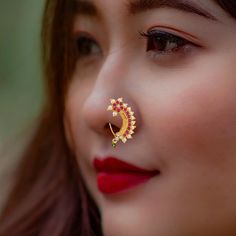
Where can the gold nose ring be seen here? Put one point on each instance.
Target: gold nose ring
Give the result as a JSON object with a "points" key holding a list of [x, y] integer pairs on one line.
{"points": [[128, 120]]}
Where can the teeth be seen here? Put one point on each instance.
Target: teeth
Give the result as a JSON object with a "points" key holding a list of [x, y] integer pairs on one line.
{"points": [[128, 109], [125, 105], [129, 136], [132, 118], [114, 113], [131, 132], [133, 122], [120, 99], [131, 113]]}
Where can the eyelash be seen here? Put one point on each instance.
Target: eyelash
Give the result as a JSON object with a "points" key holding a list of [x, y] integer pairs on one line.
{"points": [[163, 43]]}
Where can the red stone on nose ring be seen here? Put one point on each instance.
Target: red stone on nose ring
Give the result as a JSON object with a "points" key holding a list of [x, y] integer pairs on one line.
{"points": [[128, 120]]}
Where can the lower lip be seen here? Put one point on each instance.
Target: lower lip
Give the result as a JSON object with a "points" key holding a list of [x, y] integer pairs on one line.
{"points": [[109, 183]]}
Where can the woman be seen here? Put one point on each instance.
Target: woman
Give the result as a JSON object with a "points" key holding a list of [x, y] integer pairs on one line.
{"points": [[173, 62]]}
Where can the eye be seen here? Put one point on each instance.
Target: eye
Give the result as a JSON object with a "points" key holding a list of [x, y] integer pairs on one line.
{"points": [[87, 47], [163, 43]]}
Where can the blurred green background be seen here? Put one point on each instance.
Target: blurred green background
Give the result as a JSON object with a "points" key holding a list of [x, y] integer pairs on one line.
{"points": [[21, 89], [20, 70]]}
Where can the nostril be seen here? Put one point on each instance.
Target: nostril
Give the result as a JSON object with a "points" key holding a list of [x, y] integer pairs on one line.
{"points": [[115, 128]]}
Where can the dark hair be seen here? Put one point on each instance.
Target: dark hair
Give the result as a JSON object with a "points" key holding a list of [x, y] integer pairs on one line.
{"points": [[49, 196]]}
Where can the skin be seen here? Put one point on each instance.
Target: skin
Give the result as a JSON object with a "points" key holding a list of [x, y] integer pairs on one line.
{"points": [[185, 108]]}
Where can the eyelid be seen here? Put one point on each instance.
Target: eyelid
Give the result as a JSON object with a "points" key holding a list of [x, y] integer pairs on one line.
{"points": [[77, 34], [154, 32], [177, 32]]}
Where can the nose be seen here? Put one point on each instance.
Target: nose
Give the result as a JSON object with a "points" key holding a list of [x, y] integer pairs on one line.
{"points": [[111, 83], [96, 115]]}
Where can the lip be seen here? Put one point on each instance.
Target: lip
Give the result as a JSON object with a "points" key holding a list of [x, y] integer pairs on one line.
{"points": [[114, 175]]}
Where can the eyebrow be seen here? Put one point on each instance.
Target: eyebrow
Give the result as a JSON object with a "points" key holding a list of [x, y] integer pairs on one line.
{"points": [[87, 7], [84, 7]]}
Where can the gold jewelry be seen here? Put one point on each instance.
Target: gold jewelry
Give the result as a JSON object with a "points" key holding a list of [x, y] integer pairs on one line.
{"points": [[127, 115]]}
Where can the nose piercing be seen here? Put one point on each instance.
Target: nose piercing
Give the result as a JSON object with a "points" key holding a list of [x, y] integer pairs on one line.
{"points": [[128, 120]]}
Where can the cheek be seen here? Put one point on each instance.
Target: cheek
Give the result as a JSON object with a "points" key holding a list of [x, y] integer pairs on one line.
{"points": [[70, 122], [76, 95], [198, 120]]}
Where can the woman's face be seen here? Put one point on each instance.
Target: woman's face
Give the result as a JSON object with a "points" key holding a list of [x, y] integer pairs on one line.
{"points": [[180, 81]]}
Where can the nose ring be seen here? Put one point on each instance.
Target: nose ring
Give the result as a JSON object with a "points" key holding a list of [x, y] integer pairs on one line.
{"points": [[128, 120]]}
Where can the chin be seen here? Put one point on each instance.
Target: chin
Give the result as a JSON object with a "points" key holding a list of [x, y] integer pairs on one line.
{"points": [[119, 223]]}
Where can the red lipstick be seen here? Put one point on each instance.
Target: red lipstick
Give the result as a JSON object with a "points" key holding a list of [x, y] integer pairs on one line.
{"points": [[115, 175]]}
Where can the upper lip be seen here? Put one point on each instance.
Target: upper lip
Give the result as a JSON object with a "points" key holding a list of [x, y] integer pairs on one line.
{"points": [[113, 165]]}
